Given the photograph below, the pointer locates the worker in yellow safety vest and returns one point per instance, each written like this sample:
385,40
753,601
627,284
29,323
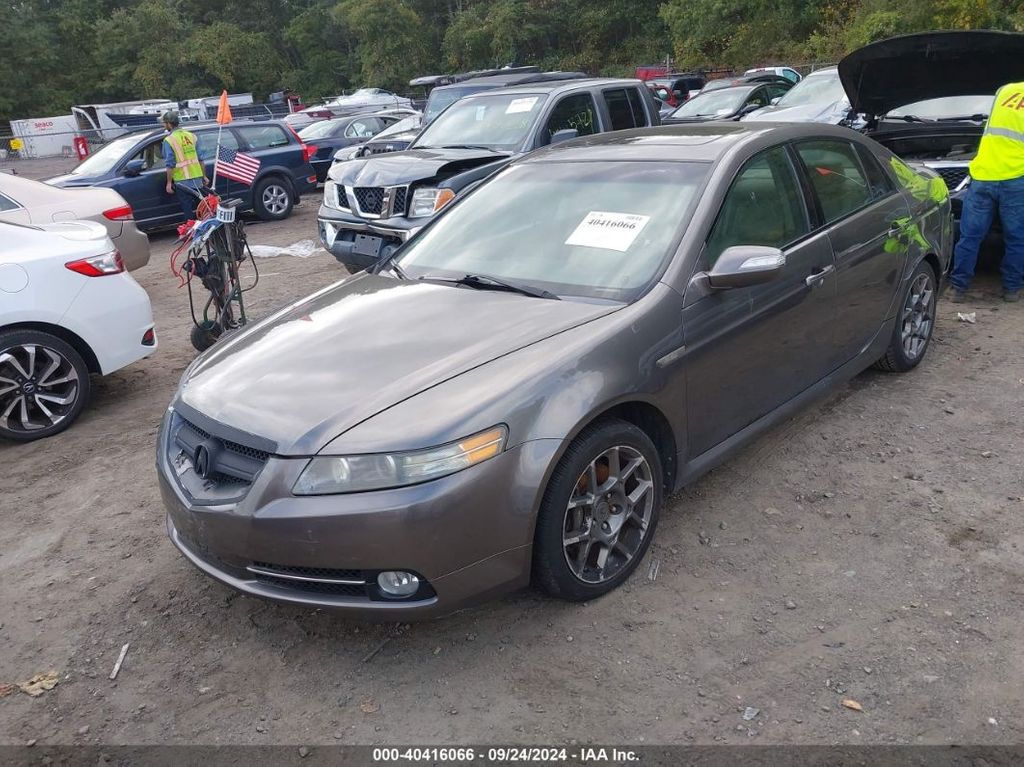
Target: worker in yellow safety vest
997,185
184,168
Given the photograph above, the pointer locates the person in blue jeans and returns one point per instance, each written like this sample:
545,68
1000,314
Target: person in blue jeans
997,185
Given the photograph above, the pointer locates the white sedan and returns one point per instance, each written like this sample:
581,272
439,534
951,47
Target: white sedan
68,309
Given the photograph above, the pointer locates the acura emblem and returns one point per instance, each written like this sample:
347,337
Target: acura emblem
202,462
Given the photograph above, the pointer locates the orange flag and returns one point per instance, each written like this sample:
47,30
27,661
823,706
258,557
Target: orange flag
223,109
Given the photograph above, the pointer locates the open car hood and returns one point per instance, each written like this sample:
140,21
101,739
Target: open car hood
902,70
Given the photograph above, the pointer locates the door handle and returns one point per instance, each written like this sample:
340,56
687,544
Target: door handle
895,229
815,279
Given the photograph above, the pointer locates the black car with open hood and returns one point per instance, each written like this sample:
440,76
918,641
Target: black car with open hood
373,204
926,97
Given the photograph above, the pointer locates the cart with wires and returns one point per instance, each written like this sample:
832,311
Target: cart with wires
215,245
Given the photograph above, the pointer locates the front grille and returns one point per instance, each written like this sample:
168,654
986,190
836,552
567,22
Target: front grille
342,197
234,447
231,469
370,199
952,176
312,572
382,148
400,200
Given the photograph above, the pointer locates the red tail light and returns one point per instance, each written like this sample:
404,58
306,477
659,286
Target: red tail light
98,266
123,213
308,151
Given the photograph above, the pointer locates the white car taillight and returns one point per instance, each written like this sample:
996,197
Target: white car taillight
98,266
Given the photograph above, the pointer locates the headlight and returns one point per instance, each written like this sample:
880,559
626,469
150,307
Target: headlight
334,196
427,201
325,475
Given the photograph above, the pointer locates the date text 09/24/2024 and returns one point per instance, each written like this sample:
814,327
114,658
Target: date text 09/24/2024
502,754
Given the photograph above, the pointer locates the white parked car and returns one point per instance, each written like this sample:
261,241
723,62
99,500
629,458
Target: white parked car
68,309
362,101
24,201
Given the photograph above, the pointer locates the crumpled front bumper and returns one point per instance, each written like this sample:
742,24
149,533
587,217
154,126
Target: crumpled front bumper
358,243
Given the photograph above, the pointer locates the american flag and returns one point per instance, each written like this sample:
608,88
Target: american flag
236,165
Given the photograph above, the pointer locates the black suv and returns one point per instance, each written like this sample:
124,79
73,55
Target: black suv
373,204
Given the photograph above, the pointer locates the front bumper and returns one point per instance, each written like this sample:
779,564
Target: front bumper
468,535
359,244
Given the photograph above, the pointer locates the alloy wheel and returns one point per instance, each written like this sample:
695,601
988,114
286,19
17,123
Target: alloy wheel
918,316
275,199
38,388
607,518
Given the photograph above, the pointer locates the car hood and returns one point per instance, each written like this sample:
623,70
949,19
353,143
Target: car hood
397,168
310,373
902,70
832,112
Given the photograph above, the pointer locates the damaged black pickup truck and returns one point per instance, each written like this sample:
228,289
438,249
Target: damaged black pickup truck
373,204
926,96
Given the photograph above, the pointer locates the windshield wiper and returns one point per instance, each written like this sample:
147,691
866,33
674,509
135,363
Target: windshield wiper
469,146
486,282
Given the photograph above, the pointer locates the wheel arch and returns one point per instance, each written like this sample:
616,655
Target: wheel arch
76,341
647,417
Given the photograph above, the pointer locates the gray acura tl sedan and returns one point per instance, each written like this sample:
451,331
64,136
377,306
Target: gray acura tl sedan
514,393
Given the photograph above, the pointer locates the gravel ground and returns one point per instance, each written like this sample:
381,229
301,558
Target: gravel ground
869,549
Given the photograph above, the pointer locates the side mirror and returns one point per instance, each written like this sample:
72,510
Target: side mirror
134,168
749,108
563,135
776,100
744,265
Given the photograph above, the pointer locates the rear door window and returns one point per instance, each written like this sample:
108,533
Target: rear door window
624,108
206,143
6,203
880,183
576,112
263,136
836,175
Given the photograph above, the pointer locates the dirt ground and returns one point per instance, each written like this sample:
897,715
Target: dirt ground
870,549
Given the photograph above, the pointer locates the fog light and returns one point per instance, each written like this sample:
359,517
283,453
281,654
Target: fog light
395,583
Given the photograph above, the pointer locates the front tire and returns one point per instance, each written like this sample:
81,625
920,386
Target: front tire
44,384
915,323
599,512
273,198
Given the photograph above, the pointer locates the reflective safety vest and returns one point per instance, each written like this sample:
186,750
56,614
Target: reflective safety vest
186,161
1001,152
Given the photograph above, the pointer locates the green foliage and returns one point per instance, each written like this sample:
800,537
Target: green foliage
62,52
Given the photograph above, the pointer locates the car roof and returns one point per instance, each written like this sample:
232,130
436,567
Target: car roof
203,125
559,86
680,142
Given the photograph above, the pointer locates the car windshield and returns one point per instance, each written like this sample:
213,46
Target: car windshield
409,123
946,108
823,89
714,104
590,229
105,158
441,98
495,121
318,130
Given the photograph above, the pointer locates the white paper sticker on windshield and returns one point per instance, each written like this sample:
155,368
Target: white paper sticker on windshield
611,231
481,113
520,105
725,111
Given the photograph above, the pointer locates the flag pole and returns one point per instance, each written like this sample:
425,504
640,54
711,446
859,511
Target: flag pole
216,160
223,116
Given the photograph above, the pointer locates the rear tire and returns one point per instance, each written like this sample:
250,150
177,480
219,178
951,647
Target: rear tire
912,333
586,544
44,385
273,198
